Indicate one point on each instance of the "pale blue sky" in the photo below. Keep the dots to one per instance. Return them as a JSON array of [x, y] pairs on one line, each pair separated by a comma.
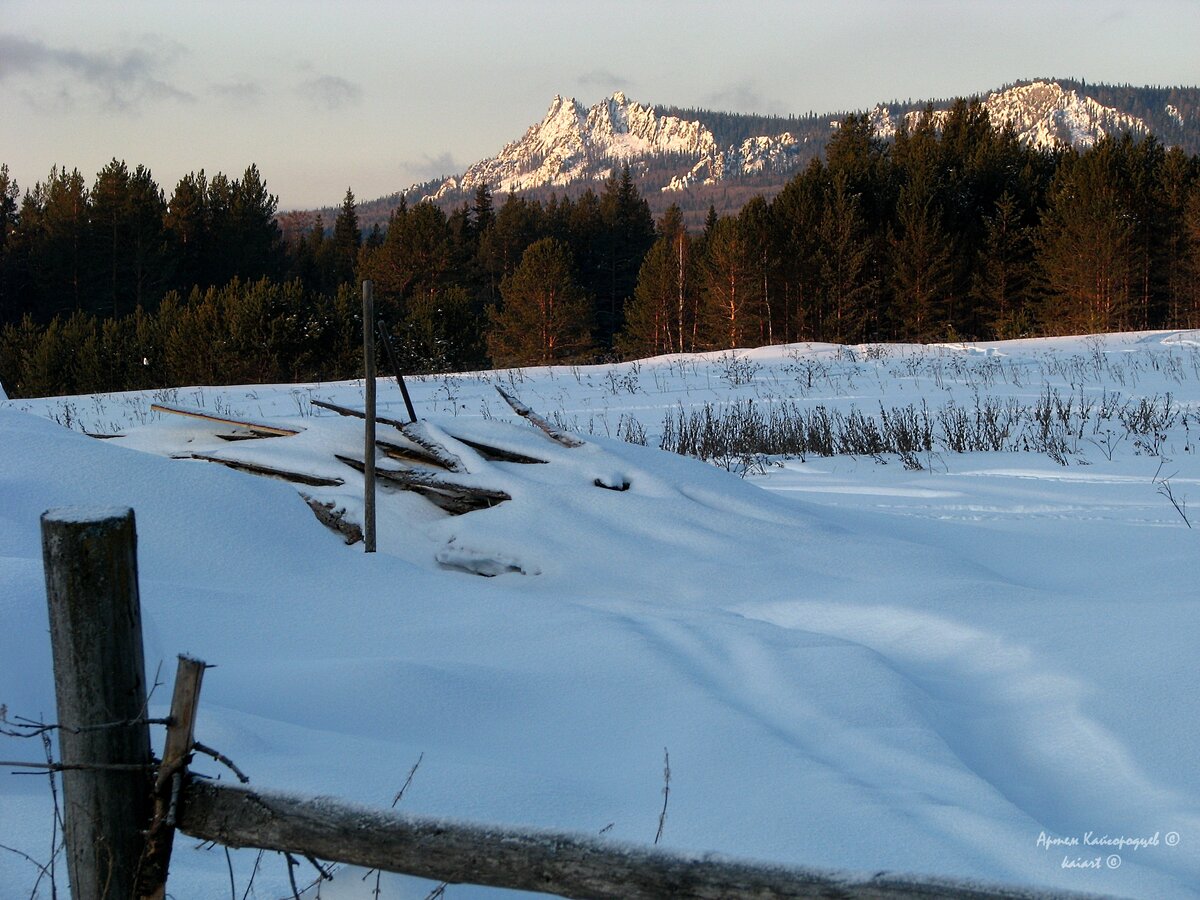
[[376, 95]]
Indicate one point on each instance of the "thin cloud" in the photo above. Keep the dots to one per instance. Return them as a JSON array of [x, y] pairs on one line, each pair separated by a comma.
[[743, 96], [121, 80], [430, 167], [604, 80], [239, 94], [330, 93]]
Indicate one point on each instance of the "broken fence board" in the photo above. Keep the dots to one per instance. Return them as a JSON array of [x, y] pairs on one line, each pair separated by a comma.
[[261, 429], [555, 434], [168, 782], [455, 499]]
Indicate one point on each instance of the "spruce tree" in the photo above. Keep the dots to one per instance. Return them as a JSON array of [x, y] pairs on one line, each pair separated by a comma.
[[847, 284], [922, 256], [798, 211], [9, 222], [483, 213], [347, 238], [627, 236], [1003, 284]]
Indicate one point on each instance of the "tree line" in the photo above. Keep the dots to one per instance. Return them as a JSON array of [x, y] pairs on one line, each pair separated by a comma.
[[952, 230]]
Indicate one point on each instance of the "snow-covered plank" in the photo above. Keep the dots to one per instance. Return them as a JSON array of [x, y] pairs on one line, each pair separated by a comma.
[[555, 434], [260, 429], [268, 471]]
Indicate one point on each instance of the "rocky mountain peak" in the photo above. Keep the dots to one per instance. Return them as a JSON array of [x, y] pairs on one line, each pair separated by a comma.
[[574, 143]]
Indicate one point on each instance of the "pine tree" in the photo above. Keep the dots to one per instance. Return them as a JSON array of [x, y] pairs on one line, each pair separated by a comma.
[[659, 319], [55, 215], [128, 254], [756, 225], [440, 332], [149, 257], [518, 224], [415, 258], [731, 314], [257, 240], [222, 254], [544, 316], [1085, 247], [188, 235], [109, 221], [1190, 302], [1178, 175]]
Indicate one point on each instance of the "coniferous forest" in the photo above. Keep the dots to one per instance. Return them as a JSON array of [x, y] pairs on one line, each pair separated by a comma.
[[955, 232]]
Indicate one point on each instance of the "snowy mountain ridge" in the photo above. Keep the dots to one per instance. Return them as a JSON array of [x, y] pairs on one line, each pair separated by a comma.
[[670, 150], [1043, 114], [575, 143]]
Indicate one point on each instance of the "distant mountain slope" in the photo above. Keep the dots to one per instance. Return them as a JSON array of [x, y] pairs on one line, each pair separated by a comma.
[[696, 157]]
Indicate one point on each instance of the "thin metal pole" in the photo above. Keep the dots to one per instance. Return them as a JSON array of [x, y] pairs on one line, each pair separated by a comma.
[[369, 436]]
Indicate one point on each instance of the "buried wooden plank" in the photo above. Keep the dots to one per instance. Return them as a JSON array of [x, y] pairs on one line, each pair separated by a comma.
[[353, 413], [267, 471], [408, 454], [418, 434], [555, 434], [455, 499], [491, 453], [433, 451], [259, 429], [334, 518]]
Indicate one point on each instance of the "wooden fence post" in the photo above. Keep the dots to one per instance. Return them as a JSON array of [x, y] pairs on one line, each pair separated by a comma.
[[369, 436], [177, 754], [90, 558]]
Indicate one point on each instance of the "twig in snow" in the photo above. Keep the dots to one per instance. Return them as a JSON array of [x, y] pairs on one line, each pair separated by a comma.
[[408, 780], [395, 800], [662, 817], [253, 873]]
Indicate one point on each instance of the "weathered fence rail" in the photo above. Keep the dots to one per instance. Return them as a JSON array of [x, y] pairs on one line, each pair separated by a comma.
[[569, 865], [122, 806]]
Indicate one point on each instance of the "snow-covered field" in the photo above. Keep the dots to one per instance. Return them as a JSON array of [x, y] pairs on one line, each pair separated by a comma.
[[852, 662]]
